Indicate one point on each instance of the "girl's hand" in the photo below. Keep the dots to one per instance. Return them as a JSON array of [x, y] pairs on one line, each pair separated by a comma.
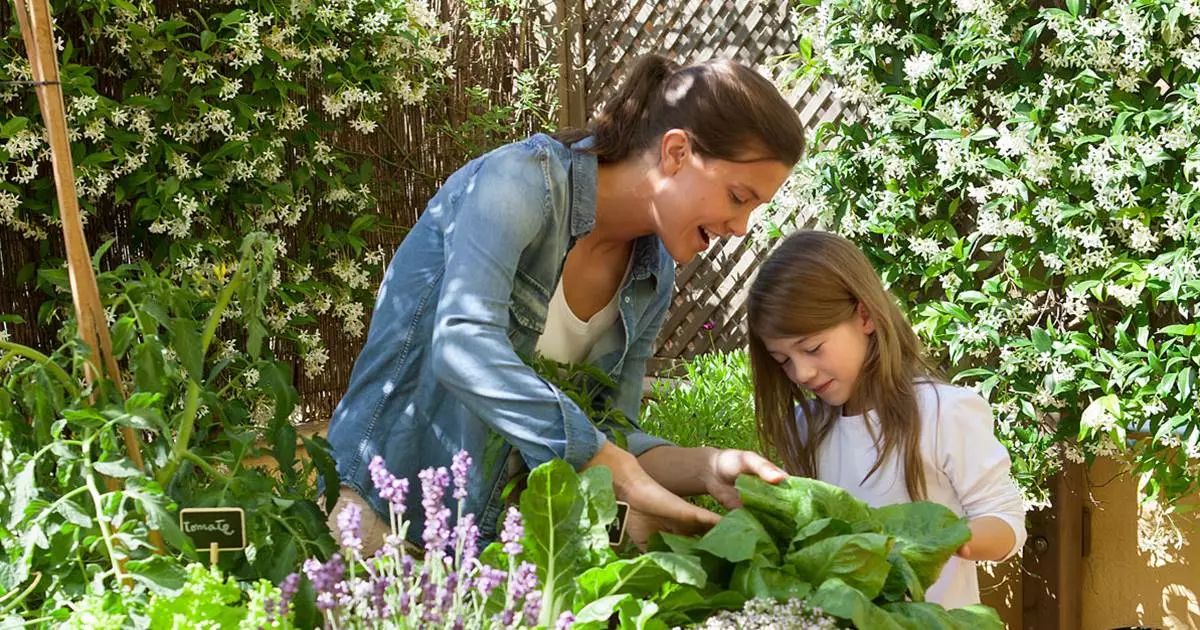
[[725, 467]]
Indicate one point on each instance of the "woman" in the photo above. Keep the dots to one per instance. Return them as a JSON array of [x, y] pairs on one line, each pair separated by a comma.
[[565, 246]]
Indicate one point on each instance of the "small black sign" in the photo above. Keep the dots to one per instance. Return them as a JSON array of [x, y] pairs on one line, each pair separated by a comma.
[[616, 529], [224, 526]]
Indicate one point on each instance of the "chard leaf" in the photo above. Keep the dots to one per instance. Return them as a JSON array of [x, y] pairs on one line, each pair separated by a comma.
[[926, 534], [902, 582], [759, 577], [860, 560], [641, 576], [595, 486], [795, 502], [639, 615], [839, 599], [925, 616], [977, 617], [819, 530], [554, 531], [737, 537], [599, 611]]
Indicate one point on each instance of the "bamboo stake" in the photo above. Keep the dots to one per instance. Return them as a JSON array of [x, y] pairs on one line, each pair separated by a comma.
[[89, 312]]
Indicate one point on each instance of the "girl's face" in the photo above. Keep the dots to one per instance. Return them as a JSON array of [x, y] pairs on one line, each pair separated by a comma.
[[698, 199], [827, 363]]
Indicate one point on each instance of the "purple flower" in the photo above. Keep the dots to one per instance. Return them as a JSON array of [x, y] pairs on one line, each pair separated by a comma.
[[533, 608], [287, 590], [489, 579], [437, 516], [565, 621], [406, 567], [378, 597], [466, 535], [325, 577], [708, 326], [405, 603], [326, 601], [349, 522], [506, 618], [514, 531], [523, 582], [390, 488], [461, 467]]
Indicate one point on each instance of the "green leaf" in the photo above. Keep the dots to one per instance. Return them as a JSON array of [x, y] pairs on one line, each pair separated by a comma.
[[737, 537], [860, 560], [185, 340], [641, 576], [207, 39], [162, 575], [902, 582], [796, 501], [927, 535], [74, 513], [1041, 341], [119, 469], [554, 535], [15, 125], [839, 599], [760, 577], [1180, 330]]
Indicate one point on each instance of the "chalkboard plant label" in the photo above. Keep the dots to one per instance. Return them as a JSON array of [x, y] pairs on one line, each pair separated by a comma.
[[224, 527]]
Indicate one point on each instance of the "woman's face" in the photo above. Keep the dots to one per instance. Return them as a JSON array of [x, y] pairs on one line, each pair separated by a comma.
[[699, 199]]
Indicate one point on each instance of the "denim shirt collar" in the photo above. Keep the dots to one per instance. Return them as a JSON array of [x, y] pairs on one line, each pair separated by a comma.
[[584, 169]]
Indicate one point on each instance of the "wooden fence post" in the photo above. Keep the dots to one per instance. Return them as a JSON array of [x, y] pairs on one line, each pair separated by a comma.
[[1053, 560], [572, 59]]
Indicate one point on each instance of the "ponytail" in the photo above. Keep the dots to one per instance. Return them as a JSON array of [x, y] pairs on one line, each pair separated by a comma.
[[727, 109]]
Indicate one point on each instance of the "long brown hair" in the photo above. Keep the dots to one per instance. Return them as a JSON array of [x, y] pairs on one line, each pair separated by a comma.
[[727, 109], [811, 282]]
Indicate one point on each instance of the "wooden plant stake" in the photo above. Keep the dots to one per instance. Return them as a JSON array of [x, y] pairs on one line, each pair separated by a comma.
[[93, 327]]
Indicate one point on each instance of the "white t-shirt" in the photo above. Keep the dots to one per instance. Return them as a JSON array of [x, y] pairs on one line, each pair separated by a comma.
[[966, 470], [568, 339]]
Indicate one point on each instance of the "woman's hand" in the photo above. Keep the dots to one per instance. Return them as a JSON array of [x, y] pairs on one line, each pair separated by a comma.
[[725, 467], [656, 507]]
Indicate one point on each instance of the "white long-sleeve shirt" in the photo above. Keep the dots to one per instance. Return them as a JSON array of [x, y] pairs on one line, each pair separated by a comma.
[[966, 469]]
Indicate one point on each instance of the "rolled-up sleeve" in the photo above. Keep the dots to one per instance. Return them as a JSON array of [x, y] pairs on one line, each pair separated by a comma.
[[628, 396], [978, 465], [502, 210]]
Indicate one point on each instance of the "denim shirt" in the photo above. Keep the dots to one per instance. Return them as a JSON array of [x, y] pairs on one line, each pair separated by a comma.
[[464, 297]]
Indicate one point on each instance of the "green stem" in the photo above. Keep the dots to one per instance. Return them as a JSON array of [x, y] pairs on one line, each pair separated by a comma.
[[101, 519], [43, 360], [191, 405], [187, 424], [20, 596], [206, 467]]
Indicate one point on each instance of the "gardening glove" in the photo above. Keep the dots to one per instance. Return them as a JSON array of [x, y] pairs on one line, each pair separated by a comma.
[[727, 464]]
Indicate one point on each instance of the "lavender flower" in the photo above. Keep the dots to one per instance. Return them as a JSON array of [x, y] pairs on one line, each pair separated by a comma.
[[378, 597], [390, 488], [461, 467], [523, 582], [437, 516], [325, 577], [514, 531], [466, 538], [565, 621], [533, 607], [489, 579], [349, 522], [287, 590]]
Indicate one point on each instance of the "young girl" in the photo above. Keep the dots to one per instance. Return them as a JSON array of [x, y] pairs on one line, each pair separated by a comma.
[[844, 394], [566, 246]]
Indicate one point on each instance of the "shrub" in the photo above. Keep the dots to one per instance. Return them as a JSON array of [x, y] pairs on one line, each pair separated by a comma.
[[1022, 175]]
